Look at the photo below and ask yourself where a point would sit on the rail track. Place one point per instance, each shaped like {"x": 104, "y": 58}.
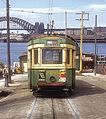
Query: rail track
{"x": 53, "y": 108}
{"x": 74, "y": 110}
{"x": 32, "y": 108}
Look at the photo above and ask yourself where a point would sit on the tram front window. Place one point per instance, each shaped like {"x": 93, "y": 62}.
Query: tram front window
{"x": 52, "y": 56}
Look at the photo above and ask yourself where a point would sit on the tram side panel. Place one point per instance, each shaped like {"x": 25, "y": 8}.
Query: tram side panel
{"x": 71, "y": 78}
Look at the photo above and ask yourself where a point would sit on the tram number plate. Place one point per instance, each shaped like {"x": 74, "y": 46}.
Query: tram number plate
{"x": 42, "y": 74}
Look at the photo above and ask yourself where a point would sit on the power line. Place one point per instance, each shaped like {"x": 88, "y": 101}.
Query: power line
{"x": 50, "y": 10}
{"x": 28, "y": 11}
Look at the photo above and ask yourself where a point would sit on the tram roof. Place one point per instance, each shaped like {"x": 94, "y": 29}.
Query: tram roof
{"x": 34, "y": 39}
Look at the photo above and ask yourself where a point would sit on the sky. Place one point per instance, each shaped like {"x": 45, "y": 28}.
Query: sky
{"x": 37, "y": 11}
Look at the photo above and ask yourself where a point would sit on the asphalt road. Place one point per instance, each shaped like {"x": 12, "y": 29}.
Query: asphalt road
{"x": 88, "y": 101}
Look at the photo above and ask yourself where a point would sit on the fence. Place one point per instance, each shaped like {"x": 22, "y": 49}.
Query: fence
{"x": 101, "y": 69}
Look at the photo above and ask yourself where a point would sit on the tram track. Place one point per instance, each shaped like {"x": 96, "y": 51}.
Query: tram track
{"x": 54, "y": 117}
{"x": 41, "y": 108}
{"x": 53, "y": 108}
{"x": 32, "y": 108}
{"x": 74, "y": 110}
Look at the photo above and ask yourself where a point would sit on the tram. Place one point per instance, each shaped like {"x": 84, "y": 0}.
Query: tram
{"x": 51, "y": 62}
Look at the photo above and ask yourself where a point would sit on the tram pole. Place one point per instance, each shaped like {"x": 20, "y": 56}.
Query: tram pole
{"x": 95, "y": 60}
{"x": 8, "y": 43}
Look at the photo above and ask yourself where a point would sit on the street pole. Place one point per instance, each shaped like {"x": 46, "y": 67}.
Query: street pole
{"x": 81, "y": 35}
{"x": 81, "y": 41}
{"x": 65, "y": 24}
{"x": 8, "y": 43}
{"x": 95, "y": 60}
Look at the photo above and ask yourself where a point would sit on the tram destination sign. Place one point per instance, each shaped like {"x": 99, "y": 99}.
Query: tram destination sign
{"x": 52, "y": 43}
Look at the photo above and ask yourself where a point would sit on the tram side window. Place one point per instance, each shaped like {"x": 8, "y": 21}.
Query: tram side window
{"x": 35, "y": 56}
{"x": 68, "y": 56}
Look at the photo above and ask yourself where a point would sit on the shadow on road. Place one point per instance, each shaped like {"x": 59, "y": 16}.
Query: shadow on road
{"x": 82, "y": 88}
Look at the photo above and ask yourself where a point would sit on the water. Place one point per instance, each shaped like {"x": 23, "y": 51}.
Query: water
{"x": 18, "y": 48}
{"x": 90, "y": 48}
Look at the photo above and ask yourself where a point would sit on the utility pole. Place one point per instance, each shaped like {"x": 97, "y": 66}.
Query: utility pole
{"x": 95, "y": 35}
{"x": 81, "y": 34}
{"x": 65, "y": 24}
{"x": 51, "y": 26}
{"x": 8, "y": 43}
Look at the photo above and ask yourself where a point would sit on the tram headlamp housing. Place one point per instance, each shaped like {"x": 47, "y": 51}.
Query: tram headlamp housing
{"x": 52, "y": 79}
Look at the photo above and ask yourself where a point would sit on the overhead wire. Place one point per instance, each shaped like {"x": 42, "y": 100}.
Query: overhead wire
{"x": 50, "y": 12}
{"x": 28, "y": 11}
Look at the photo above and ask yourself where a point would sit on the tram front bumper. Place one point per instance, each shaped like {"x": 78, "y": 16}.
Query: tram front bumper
{"x": 55, "y": 84}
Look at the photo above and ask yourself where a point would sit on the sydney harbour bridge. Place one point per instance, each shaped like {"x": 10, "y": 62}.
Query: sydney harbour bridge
{"x": 30, "y": 28}
{"x": 20, "y": 24}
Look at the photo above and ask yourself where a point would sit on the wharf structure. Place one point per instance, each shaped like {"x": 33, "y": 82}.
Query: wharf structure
{"x": 88, "y": 63}
{"x": 88, "y": 35}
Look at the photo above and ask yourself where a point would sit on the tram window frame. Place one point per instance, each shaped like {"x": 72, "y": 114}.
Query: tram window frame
{"x": 46, "y": 62}
{"x": 73, "y": 58}
{"x": 30, "y": 58}
{"x": 68, "y": 56}
{"x": 36, "y": 56}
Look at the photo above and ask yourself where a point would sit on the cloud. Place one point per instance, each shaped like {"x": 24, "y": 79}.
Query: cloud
{"x": 98, "y": 7}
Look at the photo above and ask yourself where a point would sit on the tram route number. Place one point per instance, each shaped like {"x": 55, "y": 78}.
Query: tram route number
{"x": 42, "y": 75}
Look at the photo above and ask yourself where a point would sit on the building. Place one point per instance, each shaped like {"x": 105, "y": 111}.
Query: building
{"x": 88, "y": 62}
{"x": 23, "y": 62}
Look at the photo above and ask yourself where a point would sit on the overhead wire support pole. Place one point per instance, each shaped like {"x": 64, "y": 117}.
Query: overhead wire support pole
{"x": 81, "y": 35}
{"x": 81, "y": 41}
{"x": 95, "y": 34}
{"x": 51, "y": 22}
{"x": 65, "y": 24}
{"x": 8, "y": 43}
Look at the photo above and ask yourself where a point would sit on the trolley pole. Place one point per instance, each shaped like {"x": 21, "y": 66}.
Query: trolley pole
{"x": 81, "y": 35}
{"x": 95, "y": 60}
{"x": 8, "y": 43}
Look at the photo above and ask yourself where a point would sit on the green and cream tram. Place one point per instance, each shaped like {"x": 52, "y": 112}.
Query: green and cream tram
{"x": 51, "y": 62}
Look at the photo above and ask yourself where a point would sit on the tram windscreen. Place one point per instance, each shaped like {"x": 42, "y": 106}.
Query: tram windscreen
{"x": 52, "y": 56}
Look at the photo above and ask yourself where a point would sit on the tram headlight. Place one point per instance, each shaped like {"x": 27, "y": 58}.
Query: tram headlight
{"x": 52, "y": 79}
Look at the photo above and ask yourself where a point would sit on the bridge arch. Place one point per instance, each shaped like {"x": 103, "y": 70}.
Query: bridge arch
{"x": 24, "y": 24}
